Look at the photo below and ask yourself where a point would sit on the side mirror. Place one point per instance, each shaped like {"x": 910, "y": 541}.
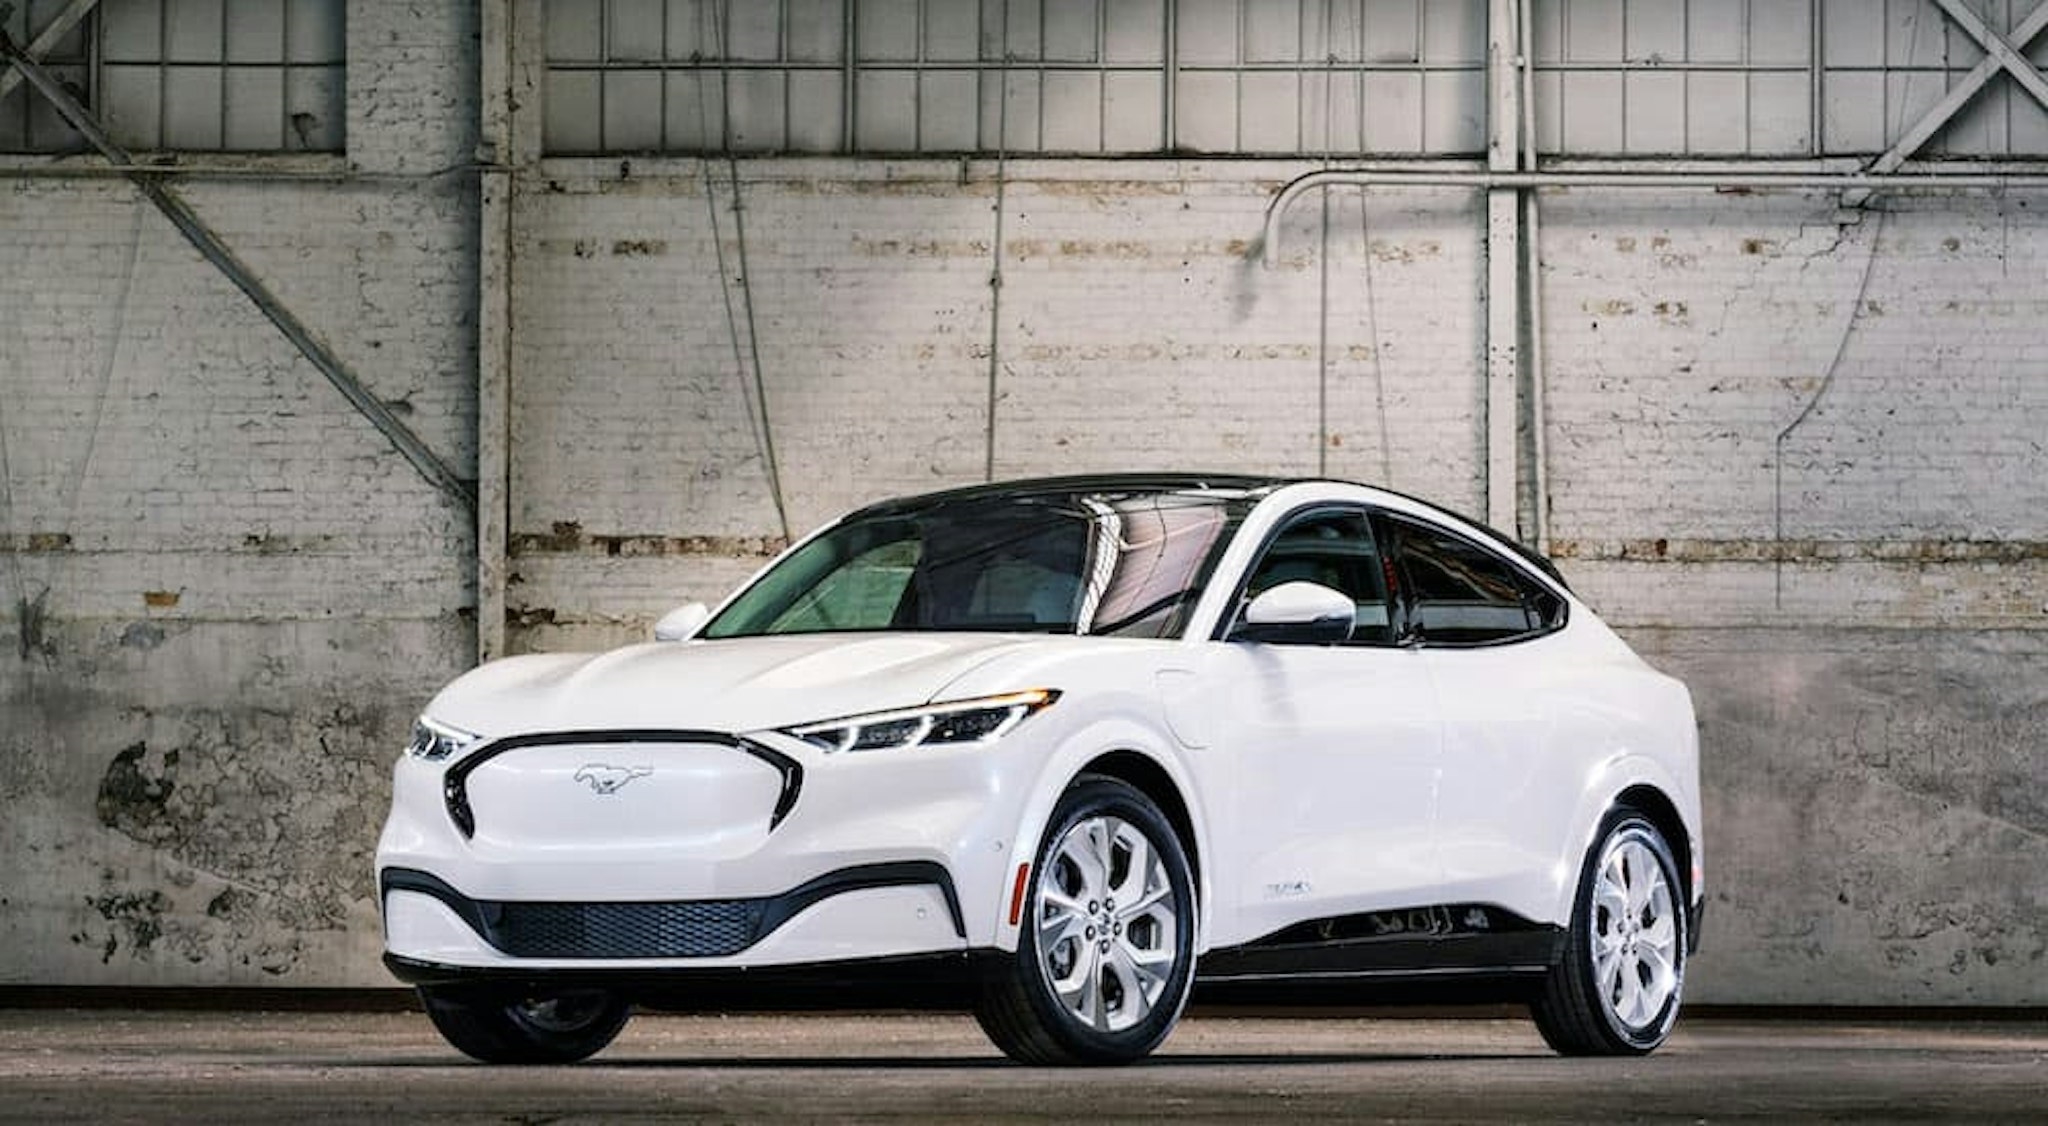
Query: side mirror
{"x": 1299, "y": 613}
{"x": 682, "y": 623}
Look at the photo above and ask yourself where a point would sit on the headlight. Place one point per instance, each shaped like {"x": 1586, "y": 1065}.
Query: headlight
{"x": 435, "y": 741}
{"x": 940, "y": 725}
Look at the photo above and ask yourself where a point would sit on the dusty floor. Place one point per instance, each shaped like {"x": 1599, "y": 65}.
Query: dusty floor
{"x": 127, "y": 1066}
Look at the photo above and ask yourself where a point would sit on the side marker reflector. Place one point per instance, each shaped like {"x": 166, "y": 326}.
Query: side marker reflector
{"x": 1017, "y": 893}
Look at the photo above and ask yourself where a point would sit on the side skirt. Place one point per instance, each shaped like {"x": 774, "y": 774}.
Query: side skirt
{"x": 1462, "y": 952}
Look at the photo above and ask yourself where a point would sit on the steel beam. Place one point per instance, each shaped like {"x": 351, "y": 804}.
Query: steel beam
{"x": 210, "y": 247}
{"x": 1503, "y": 264}
{"x": 496, "y": 147}
{"x": 45, "y": 41}
{"x": 1944, "y": 111}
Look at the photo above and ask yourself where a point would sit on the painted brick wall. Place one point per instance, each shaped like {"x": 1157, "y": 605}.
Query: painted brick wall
{"x": 1871, "y": 708}
{"x": 225, "y": 596}
{"x": 222, "y": 595}
{"x": 1134, "y": 330}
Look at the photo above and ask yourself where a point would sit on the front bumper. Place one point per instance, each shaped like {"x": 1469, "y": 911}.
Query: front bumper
{"x": 882, "y": 855}
{"x": 868, "y": 911}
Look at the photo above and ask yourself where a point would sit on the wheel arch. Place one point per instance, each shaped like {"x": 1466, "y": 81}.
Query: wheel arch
{"x": 1662, "y": 812}
{"x": 1652, "y": 803}
{"x": 1143, "y": 773}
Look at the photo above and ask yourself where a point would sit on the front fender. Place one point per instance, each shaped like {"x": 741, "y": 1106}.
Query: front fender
{"x": 1088, "y": 744}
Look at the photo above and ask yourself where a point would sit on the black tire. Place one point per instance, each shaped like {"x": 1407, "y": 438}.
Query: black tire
{"x": 1628, "y": 920}
{"x": 497, "y": 1026}
{"x": 1102, "y": 949}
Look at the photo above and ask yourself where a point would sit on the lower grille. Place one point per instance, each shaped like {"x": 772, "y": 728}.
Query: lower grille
{"x": 690, "y": 929}
{"x": 695, "y": 928}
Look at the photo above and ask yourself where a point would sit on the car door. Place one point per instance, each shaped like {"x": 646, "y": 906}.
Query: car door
{"x": 1334, "y": 745}
{"x": 1487, "y": 632}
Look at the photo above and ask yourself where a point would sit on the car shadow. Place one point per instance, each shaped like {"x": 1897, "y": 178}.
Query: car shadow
{"x": 940, "y": 1063}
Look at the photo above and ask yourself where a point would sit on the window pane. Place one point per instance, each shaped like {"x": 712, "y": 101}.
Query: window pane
{"x": 1135, "y": 31}
{"x": 192, "y": 108}
{"x": 131, "y": 30}
{"x": 1335, "y": 551}
{"x": 885, "y": 30}
{"x": 574, "y": 106}
{"x": 255, "y": 31}
{"x": 632, "y": 111}
{"x": 575, "y": 30}
{"x": 192, "y": 31}
{"x": 315, "y": 32}
{"x": 815, "y": 29}
{"x": 948, "y": 103}
{"x": 816, "y": 116}
{"x": 255, "y": 109}
{"x": 129, "y": 99}
{"x": 314, "y": 109}
{"x": 634, "y": 30}
{"x": 1070, "y": 31}
{"x": 47, "y": 129}
{"x": 1457, "y": 592}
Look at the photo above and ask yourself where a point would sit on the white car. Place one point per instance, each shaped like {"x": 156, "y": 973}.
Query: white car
{"x": 1058, "y": 750}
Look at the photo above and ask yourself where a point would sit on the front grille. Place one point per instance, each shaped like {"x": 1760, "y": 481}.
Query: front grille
{"x": 687, "y": 929}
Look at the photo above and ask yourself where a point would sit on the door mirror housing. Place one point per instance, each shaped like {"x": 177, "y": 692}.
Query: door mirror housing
{"x": 682, "y": 623}
{"x": 1297, "y": 613}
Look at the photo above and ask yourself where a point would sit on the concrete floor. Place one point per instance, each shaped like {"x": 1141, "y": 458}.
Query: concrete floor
{"x": 128, "y": 1066}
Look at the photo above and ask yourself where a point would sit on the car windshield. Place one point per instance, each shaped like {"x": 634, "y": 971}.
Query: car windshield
{"x": 1127, "y": 563}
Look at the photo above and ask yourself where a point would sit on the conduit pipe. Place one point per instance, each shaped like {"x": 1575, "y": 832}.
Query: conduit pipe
{"x": 1746, "y": 181}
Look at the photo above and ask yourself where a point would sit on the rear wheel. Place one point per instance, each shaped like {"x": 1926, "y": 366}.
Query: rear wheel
{"x": 1106, "y": 955}
{"x": 1616, "y": 991}
{"x": 497, "y": 1026}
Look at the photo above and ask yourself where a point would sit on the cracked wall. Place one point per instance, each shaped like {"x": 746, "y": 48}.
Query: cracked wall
{"x": 1799, "y": 461}
{"x": 222, "y": 594}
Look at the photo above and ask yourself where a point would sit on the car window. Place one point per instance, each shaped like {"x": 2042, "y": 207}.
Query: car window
{"x": 1336, "y": 550}
{"x": 864, "y": 590}
{"x": 1124, "y": 563}
{"x": 1454, "y": 592}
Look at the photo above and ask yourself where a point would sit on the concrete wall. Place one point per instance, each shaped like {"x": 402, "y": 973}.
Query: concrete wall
{"x": 226, "y": 595}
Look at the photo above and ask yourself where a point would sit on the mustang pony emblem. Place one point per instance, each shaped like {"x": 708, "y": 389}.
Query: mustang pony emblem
{"x": 606, "y": 779}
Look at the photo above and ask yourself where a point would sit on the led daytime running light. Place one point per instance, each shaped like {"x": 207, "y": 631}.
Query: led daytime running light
{"x": 436, "y": 741}
{"x": 960, "y": 723}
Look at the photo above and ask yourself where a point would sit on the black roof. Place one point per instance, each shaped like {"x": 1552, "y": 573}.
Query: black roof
{"x": 1079, "y": 483}
{"x": 1177, "y": 483}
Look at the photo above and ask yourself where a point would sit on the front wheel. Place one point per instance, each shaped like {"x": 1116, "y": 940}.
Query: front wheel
{"x": 519, "y": 1027}
{"x": 1616, "y": 991}
{"x": 1106, "y": 954}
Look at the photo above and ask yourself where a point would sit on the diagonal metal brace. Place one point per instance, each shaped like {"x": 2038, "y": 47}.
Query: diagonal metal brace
{"x": 2000, "y": 53}
{"x": 209, "y": 245}
{"x": 46, "y": 39}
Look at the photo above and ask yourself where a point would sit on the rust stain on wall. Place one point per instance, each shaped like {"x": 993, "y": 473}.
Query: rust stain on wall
{"x": 1806, "y": 550}
{"x": 569, "y": 538}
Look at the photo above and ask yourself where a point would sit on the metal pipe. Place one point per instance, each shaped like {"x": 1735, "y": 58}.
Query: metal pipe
{"x": 1532, "y": 290}
{"x": 1746, "y": 181}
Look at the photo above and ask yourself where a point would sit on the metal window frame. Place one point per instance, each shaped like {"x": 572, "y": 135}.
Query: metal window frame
{"x": 995, "y": 72}
{"x": 164, "y": 66}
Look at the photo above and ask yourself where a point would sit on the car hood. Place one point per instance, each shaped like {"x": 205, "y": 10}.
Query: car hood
{"x": 736, "y": 684}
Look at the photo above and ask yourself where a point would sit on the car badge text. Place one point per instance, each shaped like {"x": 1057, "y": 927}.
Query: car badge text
{"x": 603, "y": 778}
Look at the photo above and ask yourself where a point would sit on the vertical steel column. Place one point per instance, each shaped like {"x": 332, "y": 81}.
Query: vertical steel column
{"x": 507, "y": 34}
{"x": 1503, "y": 264}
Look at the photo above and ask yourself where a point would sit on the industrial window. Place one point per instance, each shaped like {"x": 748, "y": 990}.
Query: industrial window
{"x": 27, "y": 121}
{"x": 199, "y": 75}
{"x": 1706, "y": 78}
{"x": 1772, "y": 78}
{"x": 1020, "y": 76}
